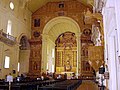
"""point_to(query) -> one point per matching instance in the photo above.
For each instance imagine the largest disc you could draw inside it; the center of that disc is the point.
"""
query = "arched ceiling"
(59, 25)
(33, 5)
(60, 28)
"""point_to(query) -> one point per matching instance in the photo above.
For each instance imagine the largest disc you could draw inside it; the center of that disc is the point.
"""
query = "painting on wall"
(36, 22)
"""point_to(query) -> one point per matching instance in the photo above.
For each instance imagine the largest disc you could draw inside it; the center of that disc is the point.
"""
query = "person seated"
(22, 77)
(38, 78)
(65, 76)
(42, 77)
(73, 76)
(59, 76)
(18, 78)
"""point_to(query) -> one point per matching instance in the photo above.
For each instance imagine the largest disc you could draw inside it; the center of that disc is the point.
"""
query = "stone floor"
(88, 85)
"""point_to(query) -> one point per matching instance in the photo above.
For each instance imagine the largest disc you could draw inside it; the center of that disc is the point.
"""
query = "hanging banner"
(95, 56)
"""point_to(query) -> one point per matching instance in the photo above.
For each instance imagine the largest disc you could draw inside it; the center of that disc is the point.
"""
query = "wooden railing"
(7, 39)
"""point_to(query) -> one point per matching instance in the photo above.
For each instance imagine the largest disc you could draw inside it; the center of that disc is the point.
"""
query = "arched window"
(7, 62)
(11, 5)
(9, 27)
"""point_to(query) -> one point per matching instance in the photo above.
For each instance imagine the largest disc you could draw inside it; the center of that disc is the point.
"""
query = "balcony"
(7, 39)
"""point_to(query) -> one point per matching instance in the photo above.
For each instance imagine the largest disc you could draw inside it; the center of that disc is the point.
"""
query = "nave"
(88, 85)
(60, 36)
(51, 85)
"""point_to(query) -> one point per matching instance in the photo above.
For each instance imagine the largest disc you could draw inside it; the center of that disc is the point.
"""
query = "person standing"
(9, 78)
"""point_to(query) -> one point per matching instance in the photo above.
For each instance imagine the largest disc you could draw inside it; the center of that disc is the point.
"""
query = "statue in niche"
(68, 66)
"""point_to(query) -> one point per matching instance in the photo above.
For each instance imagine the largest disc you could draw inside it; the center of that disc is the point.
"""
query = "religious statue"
(68, 66)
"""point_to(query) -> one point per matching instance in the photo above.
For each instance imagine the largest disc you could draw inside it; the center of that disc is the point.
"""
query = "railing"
(7, 39)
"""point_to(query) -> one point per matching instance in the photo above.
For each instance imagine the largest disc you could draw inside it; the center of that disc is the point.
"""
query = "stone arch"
(24, 43)
(24, 53)
(46, 38)
(61, 19)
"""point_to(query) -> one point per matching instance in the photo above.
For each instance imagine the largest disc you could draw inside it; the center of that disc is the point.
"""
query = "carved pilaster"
(35, 57)
(78, 53)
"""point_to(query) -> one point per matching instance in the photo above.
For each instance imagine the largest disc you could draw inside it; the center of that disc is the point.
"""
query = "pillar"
(78, 72)
(44, 53)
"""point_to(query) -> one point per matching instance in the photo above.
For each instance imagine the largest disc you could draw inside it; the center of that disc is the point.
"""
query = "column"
(44, 53)
(50, 58)
(78, 72)
(1, 60)
(16, 59)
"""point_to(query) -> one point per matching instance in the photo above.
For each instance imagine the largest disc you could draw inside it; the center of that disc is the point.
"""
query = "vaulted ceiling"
(33, 5)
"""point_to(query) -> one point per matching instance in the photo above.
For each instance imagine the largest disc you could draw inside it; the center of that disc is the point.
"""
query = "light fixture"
(11, 5)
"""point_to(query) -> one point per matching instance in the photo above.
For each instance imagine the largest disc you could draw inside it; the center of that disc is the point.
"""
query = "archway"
(51, 32)
(24, 53)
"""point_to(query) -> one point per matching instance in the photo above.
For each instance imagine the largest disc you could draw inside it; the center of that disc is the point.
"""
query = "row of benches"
(65, 85)
(41, 85)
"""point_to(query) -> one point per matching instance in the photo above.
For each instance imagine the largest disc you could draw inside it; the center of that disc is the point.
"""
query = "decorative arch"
(61, 19)
(24, 53)
(47, 43)
(24, 43)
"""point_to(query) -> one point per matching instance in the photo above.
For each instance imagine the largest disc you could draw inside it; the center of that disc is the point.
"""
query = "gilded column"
(78, 72)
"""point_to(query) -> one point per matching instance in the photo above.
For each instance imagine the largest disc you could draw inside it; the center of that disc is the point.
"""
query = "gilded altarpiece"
(66, 53)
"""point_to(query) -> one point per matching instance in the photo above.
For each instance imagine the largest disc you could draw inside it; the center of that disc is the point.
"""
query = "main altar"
(66, 53)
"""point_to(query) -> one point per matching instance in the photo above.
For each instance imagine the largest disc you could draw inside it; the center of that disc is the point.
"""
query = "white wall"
(111, 35)
(21, 24)
(117, 10)
(20, 18)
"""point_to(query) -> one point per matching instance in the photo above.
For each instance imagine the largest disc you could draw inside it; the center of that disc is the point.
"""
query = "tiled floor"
(88, 85)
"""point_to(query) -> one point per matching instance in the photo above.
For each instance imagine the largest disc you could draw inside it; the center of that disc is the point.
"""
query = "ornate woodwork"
(66, 52)
(66, 47)
(35, 58)
(86, 69)
(73, 9)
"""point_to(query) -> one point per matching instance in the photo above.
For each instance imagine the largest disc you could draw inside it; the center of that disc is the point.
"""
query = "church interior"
(60, 44)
